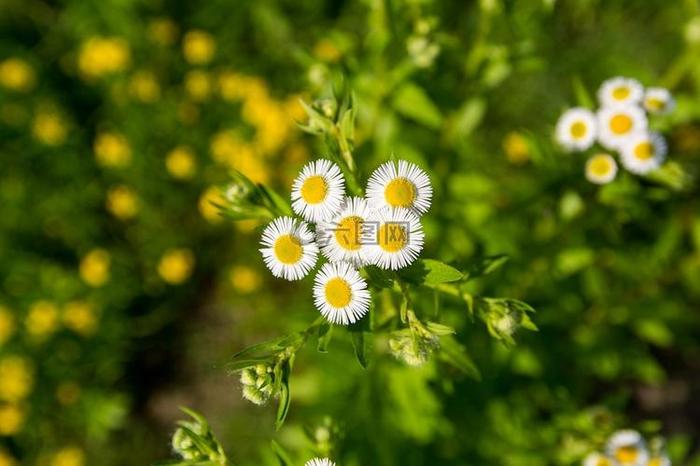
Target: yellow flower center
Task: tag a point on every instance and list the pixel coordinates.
(620, 124)
(654, 462)
(288, 249)
(621, 93)
(392, 237)
(338, 292)
(314, 189)
(578, 130)
(626, 455)
(644, 151)
(600, 165)
(348, 233)
(400, 192)
(602, 461)
(655, 104)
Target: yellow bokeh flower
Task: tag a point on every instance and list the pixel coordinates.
(112, 150)
(181, 163)
(516, 148)
(224, 145)
(49, 128)
(251, 165)
(325, 50)
(68, 456)
(67, 393)
(122, 202)
(176, 266)
(94, 267)
(11, 419)
(7, 325)
(6, 459)
(245, 279)
(42, 319)
(198, 85)
(103, 55)
(144, 86)
(79, 316)
(235, 87)
(16, 378)
(162, 31)
(198, 47)
(16, 74)
(206, 204)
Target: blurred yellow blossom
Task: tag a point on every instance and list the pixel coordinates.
(516, 148)
(247, 226)
(176, 266)
(94, 267)
(122, 202)
(181, 162)
(49, 128)
(297, 153)
(69, 456)
(206, 204)
(80, 317)
(67, 393)
(245, 279)
(162, 31)
(11, 419)
(235, 87)
(326, 50)
(253, 166)
(16, 74)
(42, 319)
(112, 150)
(6, 459)
(198, 47)
(198, 85)
(7, 325)
(103, 55)
(293, 108)
(144, 86)
(224, 145)
(16, 378)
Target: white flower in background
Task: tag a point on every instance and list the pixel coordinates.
(658, 100)
(576, 129)
(288, 248)
(659, 460)
(627, 448)
(341, 238)
(318, 191)
(396, 238)
(601, 169)
(320, 462)
(340, 293)
(597, 459)
(617, 124)
(643, 153)
(620, 91)
(401, 185)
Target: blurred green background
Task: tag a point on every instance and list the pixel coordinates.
(123, 293)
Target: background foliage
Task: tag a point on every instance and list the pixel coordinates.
(124, 294)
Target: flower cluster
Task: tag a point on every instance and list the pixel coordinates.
(628, 448)
(621, 125)
(257, 383)
(381, 229)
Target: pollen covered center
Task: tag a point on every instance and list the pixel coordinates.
(620, 124)
(603, 462)
(314, 189)
(578, 130)
(338, 292)
(621, 93)
(600, 166)
(348, 233)
(655, 104)
(626, 455)
(288, 249)
(400, 192)
(644, 151)
(392, 237)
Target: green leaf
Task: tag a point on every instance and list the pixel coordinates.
(280, 454)
(359, 344)
(485, 265)
(377, 278)
(583, 98)
(267, 349)
(439, 329)
(413, 102)
(467, 119)
(277, 203)
(455, 354)
(285, 397)
(325, 331)
(430, 272)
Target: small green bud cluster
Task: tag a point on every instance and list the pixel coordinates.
(258, 384)
(194, 441)
(505, 317)
(414, 345)
(420, 46)
(184, 446)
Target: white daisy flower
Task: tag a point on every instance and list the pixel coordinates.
(318, 191)
(597, 459)
(576, 129)
(403, 185)
(288, 249)
(601, 169)
(620, 92)
(395, 238)
(617, 124)
(340, 293)
(658, 100)
(627, 448)
(320, 462)
(659, 460)
(341, 238)
(643, 153)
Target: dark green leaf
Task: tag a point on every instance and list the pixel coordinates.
(430, 272)
(325, 332)
(413, 102)
(455, 354)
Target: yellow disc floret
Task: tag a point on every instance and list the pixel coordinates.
(338, 292)
(620, 124)
(400, 192)
(392, 237)
(314, 189)
(288, 249)
(348, 233)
